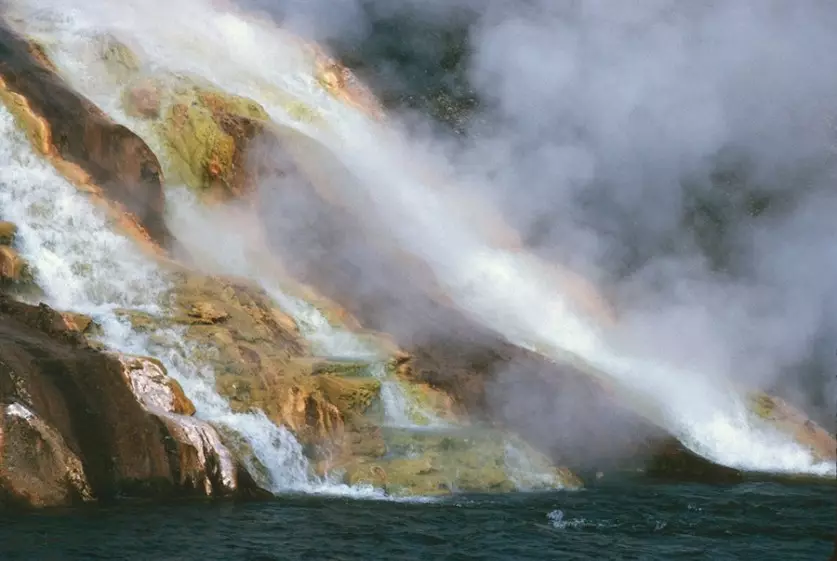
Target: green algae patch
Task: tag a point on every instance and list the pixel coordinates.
(302, 112)
(350, 395)
(119, 59)
(204, 133)
(350, 369)
(427, 399)
(439, 462)
(762, 405)
(424, 398)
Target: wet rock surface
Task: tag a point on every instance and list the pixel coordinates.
(94, 152)
(81, 425)
(75, 431)
(15, 273)
(335, 408)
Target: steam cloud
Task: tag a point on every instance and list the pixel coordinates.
(683, 156)
(680, 156)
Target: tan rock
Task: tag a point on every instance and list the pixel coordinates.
(152, 386)
(77, 322)
(12, 266)
(121, 60)
(796, 424)
(8, 230)
(207, 313)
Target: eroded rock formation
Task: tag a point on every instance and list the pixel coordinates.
(93, 152)
(82, 425)
(79, 424)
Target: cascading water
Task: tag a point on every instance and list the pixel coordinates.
(506, 291)
(83, 266)
(188, 216)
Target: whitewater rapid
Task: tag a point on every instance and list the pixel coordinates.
(510, 292)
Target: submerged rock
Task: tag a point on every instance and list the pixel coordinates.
(108, 426)
(98, 155)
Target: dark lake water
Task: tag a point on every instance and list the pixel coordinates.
(751, 521)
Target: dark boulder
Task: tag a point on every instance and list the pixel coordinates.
(75, 428)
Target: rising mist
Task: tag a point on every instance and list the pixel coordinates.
(680, 157)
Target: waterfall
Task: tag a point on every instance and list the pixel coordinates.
(83, 266)
(507, 292)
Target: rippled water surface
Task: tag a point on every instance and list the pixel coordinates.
(753, 521)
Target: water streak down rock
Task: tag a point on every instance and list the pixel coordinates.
(95, 153)
(79, 424)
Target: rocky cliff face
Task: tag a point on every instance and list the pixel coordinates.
(100, 156)
(80, 423)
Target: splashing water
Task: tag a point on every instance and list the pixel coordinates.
(82, 266)
(188, 216)
(524, 473)
(509, 292)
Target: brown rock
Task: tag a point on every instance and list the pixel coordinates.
(12, 266)
(102, 157)
(206, 313)
(37, 468)
(152, 386)
(85, 397)
(77, 322)
(142, 100)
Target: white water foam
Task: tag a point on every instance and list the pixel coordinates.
(85, 267)
(506, 291)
